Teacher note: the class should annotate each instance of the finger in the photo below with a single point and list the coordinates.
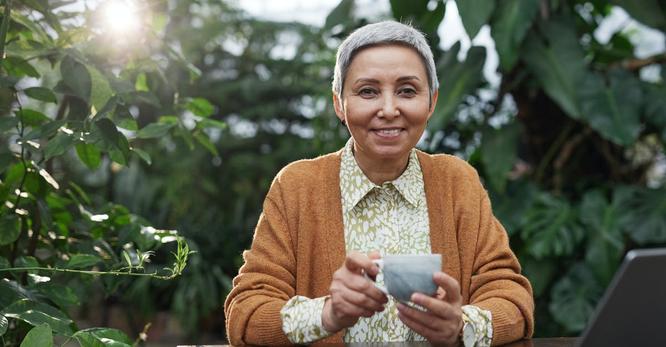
(363, 285)
(437, 306)
(359, 299)
(450, 286)
(374, 255)
(424, 319)
(357, 262)
(417, 325)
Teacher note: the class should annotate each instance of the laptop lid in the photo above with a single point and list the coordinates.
(632, 311)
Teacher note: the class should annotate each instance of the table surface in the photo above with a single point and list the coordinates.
(540, 342)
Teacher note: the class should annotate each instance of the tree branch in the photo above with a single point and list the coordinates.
(637, 64)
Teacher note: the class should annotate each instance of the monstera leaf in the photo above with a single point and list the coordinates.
(612, 107)
(556, 59)
(551, 228)
(647, 223)
(509, 25)
(604, 222)
(574, 298)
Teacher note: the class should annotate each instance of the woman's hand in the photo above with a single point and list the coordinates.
(352, 295)
(442, 322)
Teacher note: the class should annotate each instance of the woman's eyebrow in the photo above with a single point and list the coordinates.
(366, 80)
(408, 78)
(375, 81)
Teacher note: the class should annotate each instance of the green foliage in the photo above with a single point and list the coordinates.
(38, 336)
(569, 142)
(190, 125)
(58, 239)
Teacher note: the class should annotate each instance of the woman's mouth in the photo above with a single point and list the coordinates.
(392, 132)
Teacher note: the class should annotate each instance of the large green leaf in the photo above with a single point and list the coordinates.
(101, 91)
(154, 130)
(89, 155)
(655, 106)
(419, 14)
(41, 94)
(76, 77)
(648, 224)
(205, 141)
(557, 61)
(31, 117)
(475, 13)
(11, 228)
(551, 228)
(19, 67)
(110, 337)
(510, 24)
(61, 295)
(604, 223)
(511, 206)
(341, 14)
(45, 131)
(81, 261)
(574, 298)
(37, 313)
(458, 79)
(498, 148)
(200, 107)
(143, 155)
(86, 339)
(648, 12)
(613, 108)
(408, 9)
(58, 145)
(10, 291)
(113, 138)
(40, 335)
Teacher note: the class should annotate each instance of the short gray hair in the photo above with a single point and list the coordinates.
(383, 33)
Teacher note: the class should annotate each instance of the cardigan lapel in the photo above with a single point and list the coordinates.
(433, 190)
(335, 234)
(443, 236)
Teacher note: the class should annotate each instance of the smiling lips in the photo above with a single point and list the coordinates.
(388, 133)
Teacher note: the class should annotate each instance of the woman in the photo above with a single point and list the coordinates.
(325, 219)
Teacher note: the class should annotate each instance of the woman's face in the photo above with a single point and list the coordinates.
(385, 102)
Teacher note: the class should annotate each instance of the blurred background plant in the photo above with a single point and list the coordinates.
(183, 111)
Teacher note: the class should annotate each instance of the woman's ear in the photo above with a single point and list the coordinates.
(337, 104)
(433, 103)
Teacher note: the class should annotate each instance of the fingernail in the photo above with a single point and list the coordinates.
(416, 297)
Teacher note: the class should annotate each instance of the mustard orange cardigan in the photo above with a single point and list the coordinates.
(299, 242)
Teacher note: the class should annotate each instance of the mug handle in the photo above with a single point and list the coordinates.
(380, 264)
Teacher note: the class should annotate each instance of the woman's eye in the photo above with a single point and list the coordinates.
(367, 92)
(407, 92)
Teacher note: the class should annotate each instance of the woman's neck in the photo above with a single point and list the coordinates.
(380, 171)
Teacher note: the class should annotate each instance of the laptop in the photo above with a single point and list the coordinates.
(632, 312)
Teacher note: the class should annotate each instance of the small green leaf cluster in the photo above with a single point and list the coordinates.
(66, 101)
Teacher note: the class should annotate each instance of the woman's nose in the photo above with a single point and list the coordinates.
(389, 108)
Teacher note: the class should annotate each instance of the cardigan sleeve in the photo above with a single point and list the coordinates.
(266, 280)
(496, 283)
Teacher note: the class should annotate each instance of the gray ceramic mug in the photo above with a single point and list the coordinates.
(405, 274)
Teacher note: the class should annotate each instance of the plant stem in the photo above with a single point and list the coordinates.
(552, 150)
(4, 27)
(92, 272)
